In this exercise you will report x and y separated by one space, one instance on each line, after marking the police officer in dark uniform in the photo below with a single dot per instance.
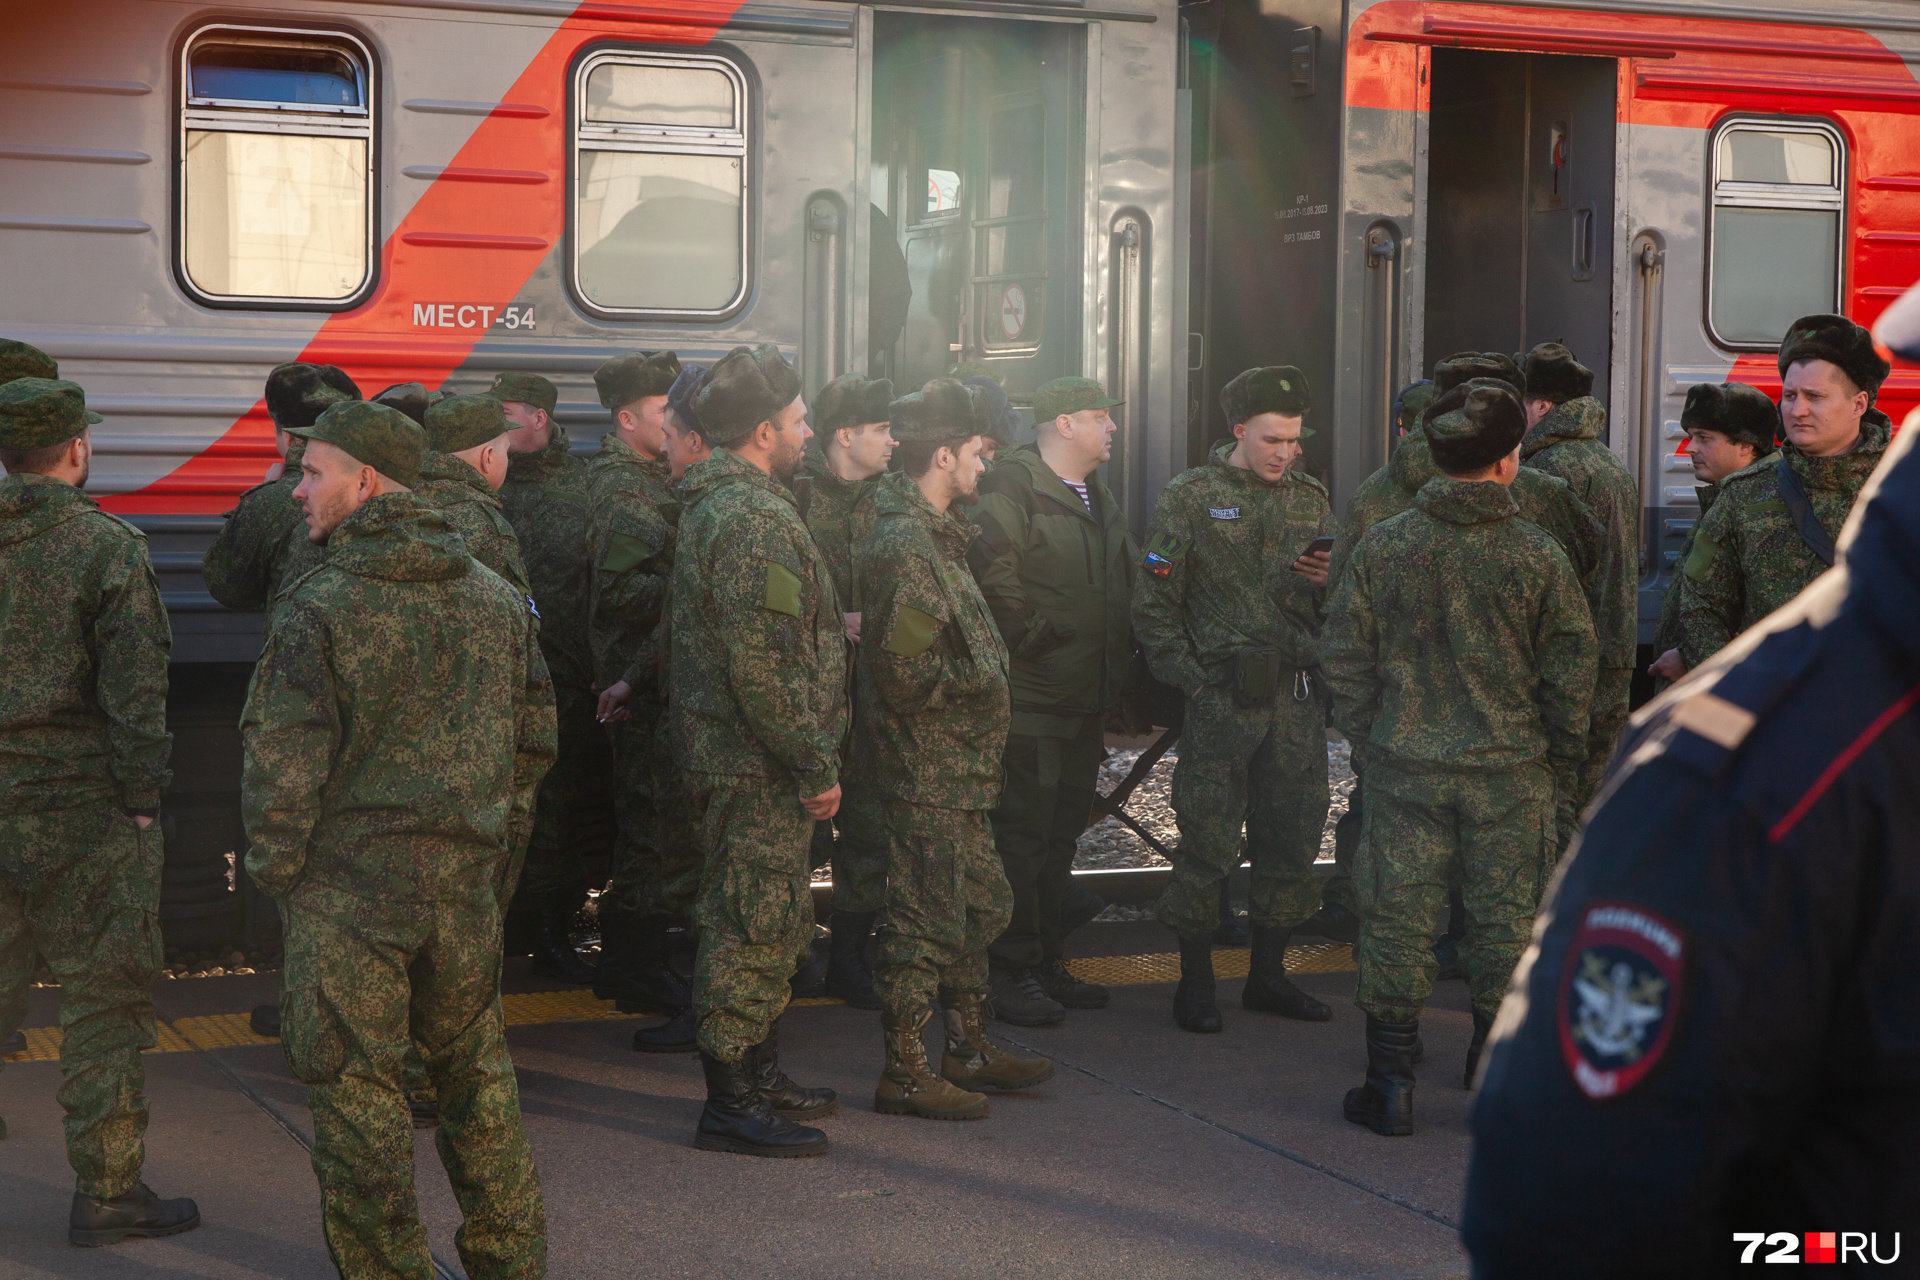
1715 1036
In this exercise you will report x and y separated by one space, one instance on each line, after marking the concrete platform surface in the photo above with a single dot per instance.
1152 1153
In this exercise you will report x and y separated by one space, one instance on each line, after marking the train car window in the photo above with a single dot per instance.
1779 202
1010 254
276 149
659 201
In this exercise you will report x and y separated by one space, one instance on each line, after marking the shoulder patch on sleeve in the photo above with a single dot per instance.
1700 558
783 590
624 552
1163 552
1619 997
913 632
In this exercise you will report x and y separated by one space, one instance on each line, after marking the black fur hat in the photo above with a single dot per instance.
409 398
1553 374
1462 367
1741 413
1479 423
634 376
851 401
991 399
745 388
299 393
680 398
1278 388
1840 340
944 409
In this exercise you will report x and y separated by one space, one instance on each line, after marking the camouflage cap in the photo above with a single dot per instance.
680 398
298 393
851 401
1279 388
991 399
465 422
942 410
23 360
37 412
1478 423
409 398
747 387
375 435
633 376
1069 395
1553 374
524 388
1840 341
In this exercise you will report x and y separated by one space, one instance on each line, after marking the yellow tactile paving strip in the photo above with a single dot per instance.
525 1008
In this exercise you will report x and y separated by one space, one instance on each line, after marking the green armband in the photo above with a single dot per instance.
912 633
783 590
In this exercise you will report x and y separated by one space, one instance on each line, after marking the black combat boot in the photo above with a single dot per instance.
648 981
810 979
737 1119
1065 988
1018 998
847 973
1385 1102
1193 1005
554 955
137 1213
1482 1024
1268 989
678 1034
1229 934
613 941
778 1088
265 1021
1332 922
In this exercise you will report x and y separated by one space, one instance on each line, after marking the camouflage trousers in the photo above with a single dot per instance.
855 842
1264 767
947 898
366 979
1498 825
1611 694
655 872
82 887
1052 765
573 809
754 913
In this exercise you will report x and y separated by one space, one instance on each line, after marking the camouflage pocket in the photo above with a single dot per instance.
311 1036
137 857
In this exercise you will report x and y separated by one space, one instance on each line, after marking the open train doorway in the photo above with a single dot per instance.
1519 205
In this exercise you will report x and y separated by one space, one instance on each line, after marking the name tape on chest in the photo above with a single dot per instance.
1619 997
1224 513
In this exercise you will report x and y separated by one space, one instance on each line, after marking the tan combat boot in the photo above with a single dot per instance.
908 1086
974 1062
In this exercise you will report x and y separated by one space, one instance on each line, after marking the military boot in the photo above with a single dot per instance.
1268 989
1059 982
1482 1024
678 1034
974 1062
737 1119
1229 933
847 974
778 1088
908 1086
648 982
1193 1004
139 1212
554 955
1385 1102
613 941
264 1021
1019 998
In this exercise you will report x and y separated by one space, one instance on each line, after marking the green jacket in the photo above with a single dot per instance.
932 713
758 646
1567 443
1748 557
399 719
1060 583
83 705
470 505
840 515
1217 576
1459 640
1666 633
545 500
630 541
264 545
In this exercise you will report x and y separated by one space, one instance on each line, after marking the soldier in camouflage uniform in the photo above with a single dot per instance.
460 476
931 723
1567 437
759 708
545 500
83 759
399 720
1753 552
263 545
1228 612
631 515
850 427
1461 654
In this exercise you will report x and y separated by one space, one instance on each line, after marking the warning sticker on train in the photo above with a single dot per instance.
470 315
1619 997
1013 311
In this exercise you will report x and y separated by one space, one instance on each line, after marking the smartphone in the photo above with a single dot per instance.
1318 545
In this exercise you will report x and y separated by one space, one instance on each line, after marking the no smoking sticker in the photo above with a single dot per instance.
1013 311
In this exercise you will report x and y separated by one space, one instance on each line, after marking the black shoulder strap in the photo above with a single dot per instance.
1794 494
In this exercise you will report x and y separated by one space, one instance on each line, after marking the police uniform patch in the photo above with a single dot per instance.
1224 513
1619 997
1163 552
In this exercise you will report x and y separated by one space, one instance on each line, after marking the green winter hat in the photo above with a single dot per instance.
23 360
37 412
376 435
1553 374
942 410
633 376
524 388
1476 425
465 422
1069 395
745 387
851 401
1279 388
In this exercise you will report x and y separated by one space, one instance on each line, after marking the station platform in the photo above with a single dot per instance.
1152 1152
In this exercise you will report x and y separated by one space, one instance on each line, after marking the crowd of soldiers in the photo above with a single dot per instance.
898 651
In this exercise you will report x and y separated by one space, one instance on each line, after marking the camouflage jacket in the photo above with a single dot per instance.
470 505
1666 632
840 515
1748 557
1218 577
399 719
545 500
264 544
83 706
631 514
759 649
1568 443
931 717
1459 640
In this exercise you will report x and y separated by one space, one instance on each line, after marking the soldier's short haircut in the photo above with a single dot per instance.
684 424
915 457
40 462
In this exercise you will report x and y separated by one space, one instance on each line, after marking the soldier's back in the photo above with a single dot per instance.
545 500
263 545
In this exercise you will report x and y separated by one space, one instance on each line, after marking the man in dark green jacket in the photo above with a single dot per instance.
1055 563
1228 611
83 759
460 475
